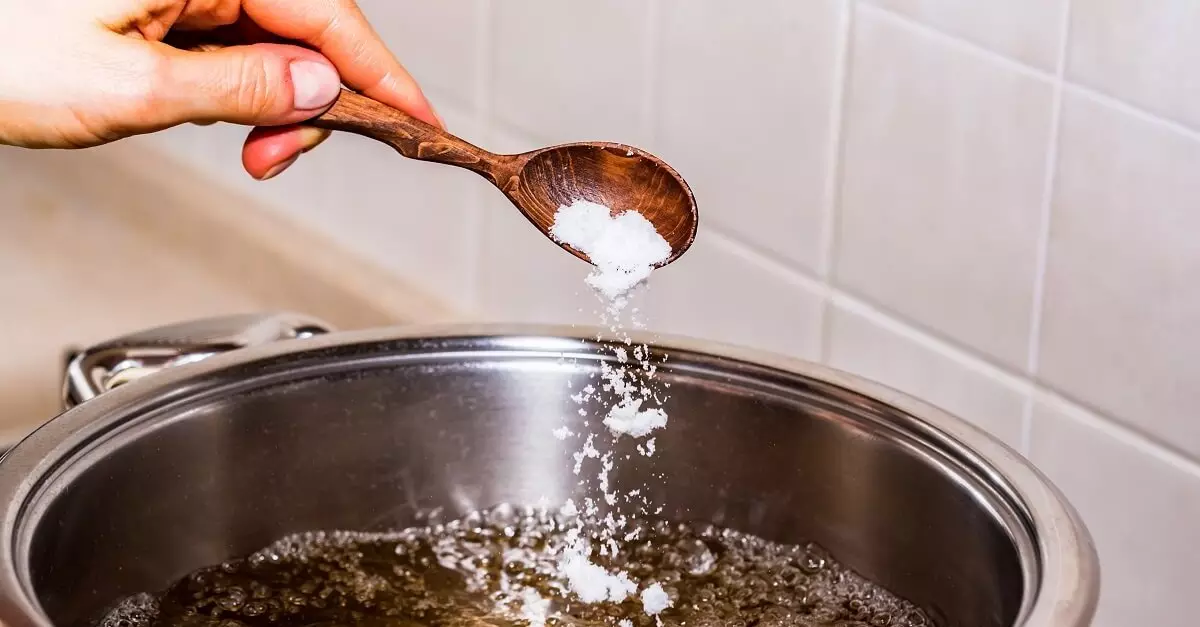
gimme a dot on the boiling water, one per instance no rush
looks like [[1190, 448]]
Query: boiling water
[[492, 567]]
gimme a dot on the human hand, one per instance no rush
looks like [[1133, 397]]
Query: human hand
[[80, 73]]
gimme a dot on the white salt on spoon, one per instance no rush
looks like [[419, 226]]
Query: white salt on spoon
[[624, 248]]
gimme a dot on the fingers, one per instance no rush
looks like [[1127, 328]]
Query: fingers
[[341, 32], [208, 14], [275, 85], [269, 151], [241, 32], [259, 84]]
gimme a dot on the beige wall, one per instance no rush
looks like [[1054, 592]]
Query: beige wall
[[992, 205]]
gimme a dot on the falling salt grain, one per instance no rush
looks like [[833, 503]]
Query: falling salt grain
[[630, 419], [534, 608]]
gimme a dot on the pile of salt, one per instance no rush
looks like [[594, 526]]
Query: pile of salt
[[624, 249]]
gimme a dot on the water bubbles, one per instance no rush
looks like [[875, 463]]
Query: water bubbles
[[474, 520], [856, 607], [233, 600], [294, 598], [700, 560], [483, 568], [254, 608], [501, 516], [813, 560], [139, 610]]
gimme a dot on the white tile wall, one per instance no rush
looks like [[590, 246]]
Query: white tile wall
[[532, 284], [942, 182], [1007, 199], [753, 135], [1143, 52], [864, 341], [440, 43], [681, 302], [1122, 304], [572, 71], [1143, 510], [1027, 30]]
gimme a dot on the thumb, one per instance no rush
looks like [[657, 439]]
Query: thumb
[[259, 84]]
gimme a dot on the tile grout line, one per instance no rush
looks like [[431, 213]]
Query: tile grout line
[[897, 325], [1049, 183], [915, 330], [811, 280], [1121, 431], [961, 43], [1115, 102], [965, 357], [962, 355], [925, 337], [1132, 110], [483, 118], [977, 49], [833, 181], [1146, 445], [749, 253]]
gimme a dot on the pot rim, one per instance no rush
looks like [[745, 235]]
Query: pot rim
[[1066, 595]]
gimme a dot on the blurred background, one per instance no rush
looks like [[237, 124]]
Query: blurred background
[[992, 206]]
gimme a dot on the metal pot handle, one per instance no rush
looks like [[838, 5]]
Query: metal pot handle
[[93, 371]]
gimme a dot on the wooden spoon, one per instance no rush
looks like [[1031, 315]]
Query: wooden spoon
[[621, 177]]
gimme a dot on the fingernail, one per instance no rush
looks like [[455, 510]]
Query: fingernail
[[314, 84], [311, 137], [274, 171]]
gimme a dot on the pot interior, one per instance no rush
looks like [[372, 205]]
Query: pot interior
[[368, 437]]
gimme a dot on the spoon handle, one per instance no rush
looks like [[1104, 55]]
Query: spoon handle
[[413, 138]]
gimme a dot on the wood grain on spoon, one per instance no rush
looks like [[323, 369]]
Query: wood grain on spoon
[[621, 177]]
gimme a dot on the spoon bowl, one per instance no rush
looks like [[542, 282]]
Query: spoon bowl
[[621, 177]]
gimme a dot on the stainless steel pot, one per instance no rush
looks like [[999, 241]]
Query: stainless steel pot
[[135, 487]]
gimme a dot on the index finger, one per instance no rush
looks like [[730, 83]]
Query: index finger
[[340, 31]]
